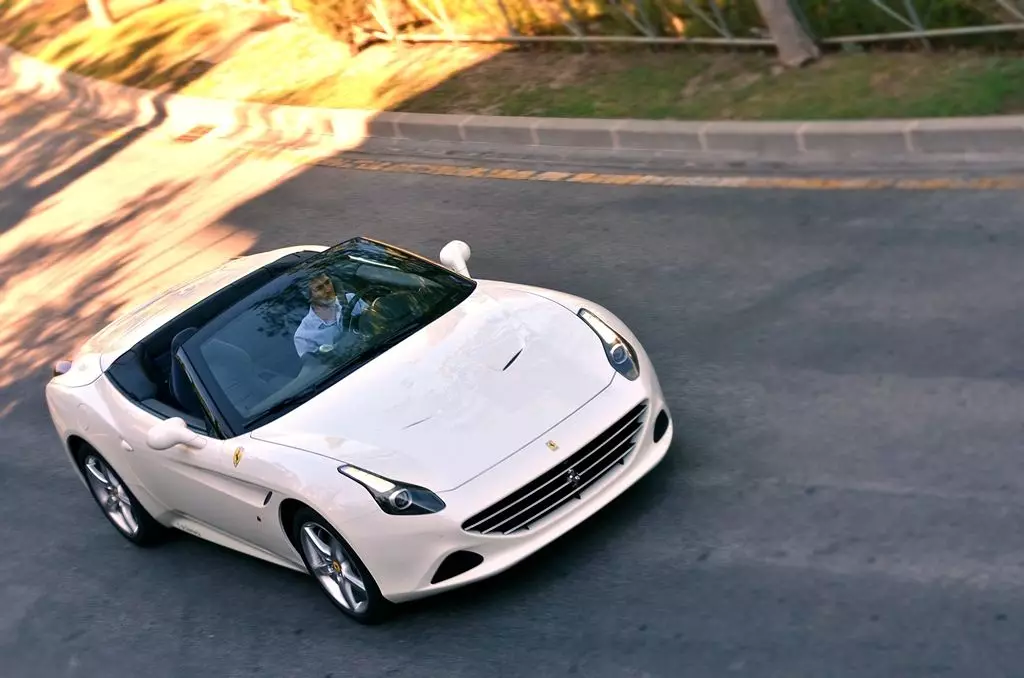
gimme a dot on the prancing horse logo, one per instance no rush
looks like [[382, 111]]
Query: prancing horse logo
[[552, 445]]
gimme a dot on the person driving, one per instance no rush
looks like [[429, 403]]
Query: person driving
[[323, 324]]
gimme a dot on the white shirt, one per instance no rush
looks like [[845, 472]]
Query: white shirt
[[314, 331]]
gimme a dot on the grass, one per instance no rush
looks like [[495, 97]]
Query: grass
[[182, 46], [733, 86]]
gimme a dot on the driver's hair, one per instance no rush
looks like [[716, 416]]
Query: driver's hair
[[305, 283]]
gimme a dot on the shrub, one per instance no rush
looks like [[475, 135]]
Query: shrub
[[538, 17], [334, 17]]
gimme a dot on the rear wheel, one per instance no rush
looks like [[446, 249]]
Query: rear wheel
[[117, 502], [338, 570]]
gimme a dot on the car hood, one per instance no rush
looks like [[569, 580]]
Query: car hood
[[459, 396]]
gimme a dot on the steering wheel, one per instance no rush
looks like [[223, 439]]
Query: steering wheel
[[375, 291], [386, 310]]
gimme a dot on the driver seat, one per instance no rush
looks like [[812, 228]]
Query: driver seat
[[181, 388]]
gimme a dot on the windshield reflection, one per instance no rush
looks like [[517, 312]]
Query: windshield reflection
[[315, 323]]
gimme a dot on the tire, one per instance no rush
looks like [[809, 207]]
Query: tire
[[148, 531], [336, 576]]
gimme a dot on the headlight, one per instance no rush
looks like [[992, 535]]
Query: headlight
[[620, 354], [398, 499]]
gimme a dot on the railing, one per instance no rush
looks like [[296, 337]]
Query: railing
[[730, 23]]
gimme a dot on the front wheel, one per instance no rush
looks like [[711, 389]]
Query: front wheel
[[117, 502], [338, 570]]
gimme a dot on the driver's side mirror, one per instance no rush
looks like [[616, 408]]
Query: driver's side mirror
[[454, 255], [171, 432]]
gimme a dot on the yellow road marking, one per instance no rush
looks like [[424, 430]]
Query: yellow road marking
[[810, 183], [996, 183]]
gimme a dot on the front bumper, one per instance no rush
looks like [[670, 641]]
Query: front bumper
[[405, 553]]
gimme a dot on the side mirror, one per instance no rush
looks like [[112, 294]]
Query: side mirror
[[171, 432], [454, 255]]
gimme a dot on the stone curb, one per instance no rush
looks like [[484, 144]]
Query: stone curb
[[995, 135]]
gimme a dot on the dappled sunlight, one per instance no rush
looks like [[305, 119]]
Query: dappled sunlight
[[181, 46], [312, 56], [414, 70], [186, 47], [68, 152], [317, 73], [63, 277], [24, 136], [54, 18], [157, 45], [26, 24], [63, 298], [91, 225]]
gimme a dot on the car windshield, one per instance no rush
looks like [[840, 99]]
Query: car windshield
[[314, 324]]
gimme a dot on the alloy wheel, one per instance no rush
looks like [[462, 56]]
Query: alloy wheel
[[334, 568], [111, 494]]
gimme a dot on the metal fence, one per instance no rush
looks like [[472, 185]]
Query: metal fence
[[730, 23]]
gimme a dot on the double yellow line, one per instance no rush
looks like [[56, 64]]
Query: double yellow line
[[998, 183]]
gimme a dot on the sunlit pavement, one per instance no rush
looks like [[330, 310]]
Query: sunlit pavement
[[843, 497]]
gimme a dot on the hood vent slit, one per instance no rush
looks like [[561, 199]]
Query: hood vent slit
[[509, 363]]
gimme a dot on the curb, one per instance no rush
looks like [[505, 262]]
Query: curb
[[932, 137]]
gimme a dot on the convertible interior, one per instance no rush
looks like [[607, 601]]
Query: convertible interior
[[149, 375]]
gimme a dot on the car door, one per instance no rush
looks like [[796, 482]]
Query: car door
[[207, 484]]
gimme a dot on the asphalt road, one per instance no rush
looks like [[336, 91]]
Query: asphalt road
[[843, 497]]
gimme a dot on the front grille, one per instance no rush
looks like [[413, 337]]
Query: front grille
[[524, 507]]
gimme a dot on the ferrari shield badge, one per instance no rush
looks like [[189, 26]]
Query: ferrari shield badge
[[237, 457], [552, 445]]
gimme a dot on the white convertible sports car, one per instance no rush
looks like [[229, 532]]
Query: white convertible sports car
[[389, 425]]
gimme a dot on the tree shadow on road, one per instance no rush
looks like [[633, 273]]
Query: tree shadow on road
[[59, 288], [48, 152], [44, 149], [82, 237]]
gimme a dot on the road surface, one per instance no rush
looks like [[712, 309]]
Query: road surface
[[843, 497]]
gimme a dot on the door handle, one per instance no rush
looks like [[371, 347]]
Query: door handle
[[126, 446]]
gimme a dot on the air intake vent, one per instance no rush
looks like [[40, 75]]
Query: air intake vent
[[455, 564]]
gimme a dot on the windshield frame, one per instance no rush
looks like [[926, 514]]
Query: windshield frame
[[234, 423]]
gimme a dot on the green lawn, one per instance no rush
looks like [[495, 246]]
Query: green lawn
[[727, 86]]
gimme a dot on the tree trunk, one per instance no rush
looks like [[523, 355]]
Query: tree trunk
[[100, 13], [795, 47]]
